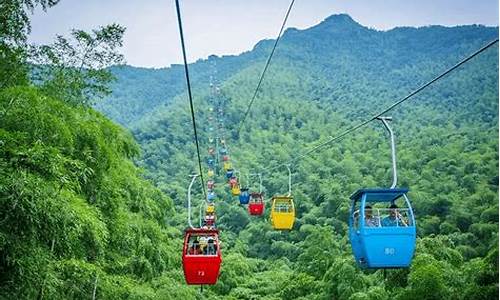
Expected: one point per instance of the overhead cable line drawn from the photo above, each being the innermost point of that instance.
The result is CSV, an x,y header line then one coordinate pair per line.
x,y
265,69
363,123
186,69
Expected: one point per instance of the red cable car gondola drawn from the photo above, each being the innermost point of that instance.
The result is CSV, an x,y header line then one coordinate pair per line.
x,y
256,204
233,181
201,256
210,184
209,220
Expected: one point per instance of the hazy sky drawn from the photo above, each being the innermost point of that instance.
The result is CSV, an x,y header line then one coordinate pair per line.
x,y
233,26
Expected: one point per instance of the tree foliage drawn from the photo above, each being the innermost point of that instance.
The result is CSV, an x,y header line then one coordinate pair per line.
x,y
87,209
75,69
14,30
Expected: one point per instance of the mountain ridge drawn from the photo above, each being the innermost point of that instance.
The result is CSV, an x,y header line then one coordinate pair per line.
x,y
160,86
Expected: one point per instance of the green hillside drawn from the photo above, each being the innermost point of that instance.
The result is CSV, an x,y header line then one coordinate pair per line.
x,y
322,80
91,210
139,91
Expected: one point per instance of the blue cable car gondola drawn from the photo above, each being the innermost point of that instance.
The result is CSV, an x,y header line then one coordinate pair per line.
x,y
244,196
211,196
211,163
377,241
381,236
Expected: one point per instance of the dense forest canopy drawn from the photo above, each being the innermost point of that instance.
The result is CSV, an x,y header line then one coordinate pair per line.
x,y
90,209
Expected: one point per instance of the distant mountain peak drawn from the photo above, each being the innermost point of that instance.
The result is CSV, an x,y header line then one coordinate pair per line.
x,y
339,23
341,19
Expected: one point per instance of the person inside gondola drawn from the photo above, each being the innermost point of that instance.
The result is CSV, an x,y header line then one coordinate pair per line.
x,y
203,244
194,248
283,207
394,218
370,220
211,248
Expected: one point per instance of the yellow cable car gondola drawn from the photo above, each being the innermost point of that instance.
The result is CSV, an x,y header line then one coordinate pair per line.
x,y
283,209
235,190
227,166
210,208
282,212
210,173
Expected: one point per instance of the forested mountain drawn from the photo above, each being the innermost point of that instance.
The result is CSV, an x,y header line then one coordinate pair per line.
x,y
87,212
139,91
337,55
322,80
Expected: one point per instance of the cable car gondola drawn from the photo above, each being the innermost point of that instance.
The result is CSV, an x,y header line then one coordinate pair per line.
x,y
375,242
282,212
210,184
211,196
201,258
283,209
211,163
244,196
382,237
256,204
209,218
235,190
210,208
201,255
233,181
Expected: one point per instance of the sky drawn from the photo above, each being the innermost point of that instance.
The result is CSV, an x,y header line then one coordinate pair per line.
x,y
223,27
